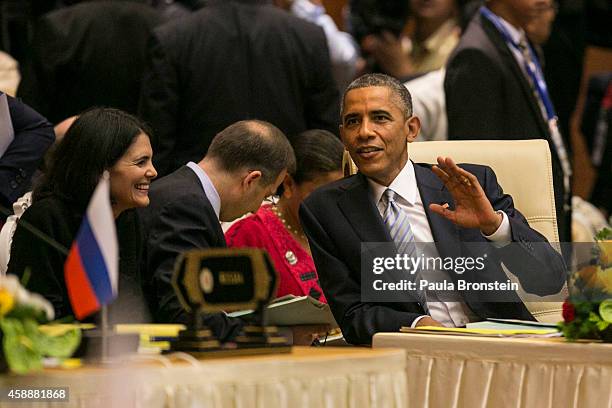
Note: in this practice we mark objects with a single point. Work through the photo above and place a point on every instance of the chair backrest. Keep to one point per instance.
(523, 169)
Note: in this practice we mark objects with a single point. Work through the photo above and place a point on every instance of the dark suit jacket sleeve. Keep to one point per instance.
(33, 136)
(322, 103)
(473, 105)
(540, 269)
(359, 321)
(159, 100)
(178, 228)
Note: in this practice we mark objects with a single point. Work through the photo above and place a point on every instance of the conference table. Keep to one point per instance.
(322, 377)
(461, 371)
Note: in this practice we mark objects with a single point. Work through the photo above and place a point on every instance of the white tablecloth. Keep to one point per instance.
(453, 371)
(308, 377)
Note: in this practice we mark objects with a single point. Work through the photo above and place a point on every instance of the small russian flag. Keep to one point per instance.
(91, 269)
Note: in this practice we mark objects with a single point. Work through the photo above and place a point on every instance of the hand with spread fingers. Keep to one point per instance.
(472, 207)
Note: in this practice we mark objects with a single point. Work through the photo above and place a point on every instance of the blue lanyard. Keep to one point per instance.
(535, 72)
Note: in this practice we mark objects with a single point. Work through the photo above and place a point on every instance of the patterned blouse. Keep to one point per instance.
(295, 267)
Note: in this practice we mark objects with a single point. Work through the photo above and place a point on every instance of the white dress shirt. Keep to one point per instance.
(429, 104)
(207, 185)
(408, 198)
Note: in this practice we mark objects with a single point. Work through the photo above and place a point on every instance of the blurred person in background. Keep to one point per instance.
(596, 127)
(89, 54)
(9, 74)
(25, 136)
(234, 60)
(343, 51)
(495, 89)
(434, 34)
(428, 98)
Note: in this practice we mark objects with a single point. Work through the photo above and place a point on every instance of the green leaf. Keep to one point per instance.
(25, 278)
(594, 318)
(22, 312)
(62, 345)
(602, 325)
(25, 345)
(604, 234)
(22, 356)
(605, 310)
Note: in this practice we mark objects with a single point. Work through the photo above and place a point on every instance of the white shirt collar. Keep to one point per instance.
(404, 186)
(516, 34)
(208, 186)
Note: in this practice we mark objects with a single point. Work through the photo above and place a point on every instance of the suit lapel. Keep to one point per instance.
(509, 60)
(208, 214)
(361, 213)
(357, 207)
(213, 222)
(432, 191)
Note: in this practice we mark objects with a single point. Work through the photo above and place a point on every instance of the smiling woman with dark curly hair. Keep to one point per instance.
(101, 139)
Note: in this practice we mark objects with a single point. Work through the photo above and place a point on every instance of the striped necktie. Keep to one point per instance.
(400, 231)
(397, 224)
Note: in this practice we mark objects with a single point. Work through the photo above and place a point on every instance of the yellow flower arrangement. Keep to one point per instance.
(6, 301)
(587, 313)
(595, 277)
(605, 252)
(24, 345)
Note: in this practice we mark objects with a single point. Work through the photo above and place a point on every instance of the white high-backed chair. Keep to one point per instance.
(524, 170)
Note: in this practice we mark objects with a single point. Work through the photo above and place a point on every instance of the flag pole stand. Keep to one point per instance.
(105, 358)
(103, 345)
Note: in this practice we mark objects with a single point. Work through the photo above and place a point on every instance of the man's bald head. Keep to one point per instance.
(252, 145)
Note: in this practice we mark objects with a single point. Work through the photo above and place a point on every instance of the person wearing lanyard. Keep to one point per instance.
(495, 89)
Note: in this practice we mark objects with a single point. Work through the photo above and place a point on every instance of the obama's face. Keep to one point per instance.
(375, 132)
